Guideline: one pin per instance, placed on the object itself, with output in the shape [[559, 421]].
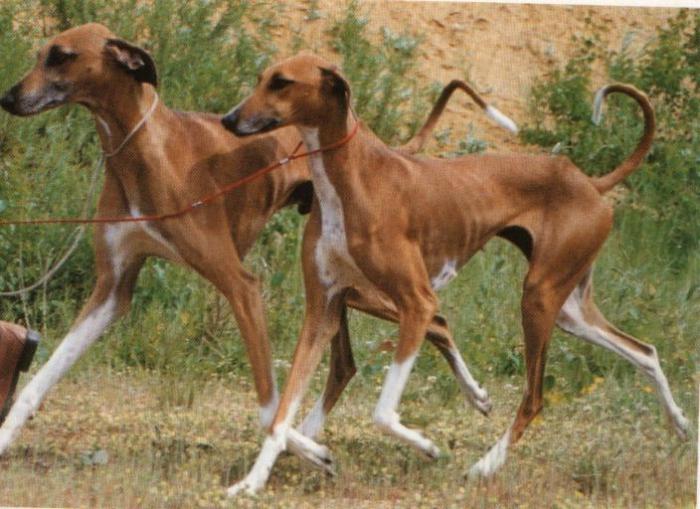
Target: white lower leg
[[313, 423], [268, 411], [493, 459], [680, 422], [67, 353], [306, 448], [476, 395], [571, 319], [385, 415], [274, 444]]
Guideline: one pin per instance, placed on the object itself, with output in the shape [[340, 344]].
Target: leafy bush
[[651, 262], [666, 187]]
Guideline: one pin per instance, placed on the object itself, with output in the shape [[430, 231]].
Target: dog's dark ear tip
[[338, 84], [327, 71], [137, 61]]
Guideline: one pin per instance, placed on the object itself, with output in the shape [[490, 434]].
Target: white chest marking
[[336, 267], [115, 235], [447, 273], [152, 232]]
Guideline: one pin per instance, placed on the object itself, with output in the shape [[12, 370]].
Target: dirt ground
[[500, 48]]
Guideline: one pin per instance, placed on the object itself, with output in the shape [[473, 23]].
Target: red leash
[[199, 203]]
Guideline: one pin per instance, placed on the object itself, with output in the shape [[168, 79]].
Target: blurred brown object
[[17, 348]]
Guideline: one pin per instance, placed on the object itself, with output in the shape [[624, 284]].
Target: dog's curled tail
[[416, 143], [608, 181]]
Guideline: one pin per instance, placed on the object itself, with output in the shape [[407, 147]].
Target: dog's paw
[[316, 454], [681, 425], [240, 488], [482, 402], [431, 450]]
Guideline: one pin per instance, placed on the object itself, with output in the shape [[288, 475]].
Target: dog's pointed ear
[[136, 61], [336, 84]]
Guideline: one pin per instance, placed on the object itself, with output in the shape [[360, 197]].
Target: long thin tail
[[416, 143], [607, 182]]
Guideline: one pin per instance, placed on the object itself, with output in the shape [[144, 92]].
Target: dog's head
[[303, 90], [78, 66]]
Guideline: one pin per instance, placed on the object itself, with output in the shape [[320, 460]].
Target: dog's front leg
[[322, 321], [110, 298]]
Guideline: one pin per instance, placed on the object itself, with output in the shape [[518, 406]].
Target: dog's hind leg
[[580, 317], [557, 265], [542, 299], [321, 322], [475, 394], [110, 298], [342, 365]]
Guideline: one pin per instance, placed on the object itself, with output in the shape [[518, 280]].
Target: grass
[[162, 453], [167, 392]]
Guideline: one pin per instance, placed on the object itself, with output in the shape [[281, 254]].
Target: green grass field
[[167, 393]]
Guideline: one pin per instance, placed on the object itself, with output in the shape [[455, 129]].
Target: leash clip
[[284, 161], [197, 204]]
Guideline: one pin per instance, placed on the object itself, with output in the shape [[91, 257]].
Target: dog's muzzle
[[23, 104], [232, 122], [9, 100]]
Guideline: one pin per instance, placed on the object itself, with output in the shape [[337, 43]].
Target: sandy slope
[[501, 48]]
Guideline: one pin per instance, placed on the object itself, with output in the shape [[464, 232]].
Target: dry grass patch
[[112, 440]]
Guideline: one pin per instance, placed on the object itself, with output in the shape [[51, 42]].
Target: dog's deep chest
[[117, 237], [337, 269]]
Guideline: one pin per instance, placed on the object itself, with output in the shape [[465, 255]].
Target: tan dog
[[159, 161], [399, 227]]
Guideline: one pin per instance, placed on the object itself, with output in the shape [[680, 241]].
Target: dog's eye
[[58, 56], [278, 83]]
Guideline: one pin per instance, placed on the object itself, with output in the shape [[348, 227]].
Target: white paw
[[431, 450], [424, 445], [316, 454], [681, 425], [481, 402], [479, 471], [492, 460], [5, 440], [243, 486]]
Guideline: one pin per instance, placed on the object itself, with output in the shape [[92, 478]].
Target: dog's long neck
[[141, 165], [116, 115], [325, 135]]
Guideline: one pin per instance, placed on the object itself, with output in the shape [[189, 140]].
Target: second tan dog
[[399, 227], [159, 161]]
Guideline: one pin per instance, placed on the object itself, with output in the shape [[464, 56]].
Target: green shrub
[[649, 268]]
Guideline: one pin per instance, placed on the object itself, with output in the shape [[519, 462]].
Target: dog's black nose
[[9, 100], [230, 120]]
